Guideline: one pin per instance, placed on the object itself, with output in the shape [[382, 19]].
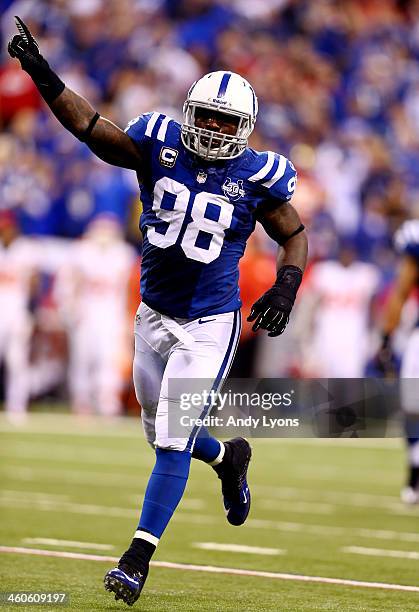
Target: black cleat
[[125, 583], [236, 494]]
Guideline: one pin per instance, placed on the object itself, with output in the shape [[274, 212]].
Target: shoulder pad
[[406, 238], [275, 174], [148, 126]]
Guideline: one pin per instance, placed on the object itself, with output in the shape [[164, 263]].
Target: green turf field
[[329, 508]]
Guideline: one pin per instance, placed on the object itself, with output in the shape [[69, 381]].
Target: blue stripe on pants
[[222, 371]]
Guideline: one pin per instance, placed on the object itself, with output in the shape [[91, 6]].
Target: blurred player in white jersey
[[93, 292], [203, 189], [406, 283], [337, 308], [17, 281]]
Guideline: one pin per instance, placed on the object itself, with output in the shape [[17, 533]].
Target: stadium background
[[338, 86]]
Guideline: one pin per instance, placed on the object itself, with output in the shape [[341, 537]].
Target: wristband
[[289, 279], [86, 134], [49, 84]]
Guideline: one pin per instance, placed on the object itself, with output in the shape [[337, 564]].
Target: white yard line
[[341, 497], [239, 548], [67, 453], [301, 507], [330, 474], [191, 503], [216, 570], [48, 505], [64, 475], [382, 552], [71, 425], [34, 495], [392, 443], [344, 498], [388, 534], [381, 534], [187, 503], [51, 505], [71, 543], [322, 502], [326, 502]]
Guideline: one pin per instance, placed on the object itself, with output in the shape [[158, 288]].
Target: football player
[[407, 243], [92, 290], [202, 190], [337, 290], [18, 284]]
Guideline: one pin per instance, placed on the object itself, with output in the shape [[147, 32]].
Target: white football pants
[[167, 349]]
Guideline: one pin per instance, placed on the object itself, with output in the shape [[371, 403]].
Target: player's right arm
[[75, 113], [105, 139]]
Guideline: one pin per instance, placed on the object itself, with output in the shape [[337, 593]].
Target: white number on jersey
[[292, 184], [176, 216]]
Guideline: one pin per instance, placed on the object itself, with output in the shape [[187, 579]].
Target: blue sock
[[206, 447], [164, 490]]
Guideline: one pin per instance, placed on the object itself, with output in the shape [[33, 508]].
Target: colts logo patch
[[168, 157], [234, 191]]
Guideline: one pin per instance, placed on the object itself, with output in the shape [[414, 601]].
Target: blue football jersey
[[407, 238], [197, 217]]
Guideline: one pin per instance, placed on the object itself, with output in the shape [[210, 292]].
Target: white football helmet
[[225, 92]]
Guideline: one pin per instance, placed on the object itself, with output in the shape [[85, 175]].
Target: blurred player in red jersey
[[17, 281], [337, 303], [93, 289]]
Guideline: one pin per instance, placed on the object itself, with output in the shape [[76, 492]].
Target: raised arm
[[75, 113], [282, 223], [103, 137]]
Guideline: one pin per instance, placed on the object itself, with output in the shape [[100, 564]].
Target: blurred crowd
[[338, 87]]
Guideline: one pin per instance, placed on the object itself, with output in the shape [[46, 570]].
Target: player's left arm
[[282, 223]]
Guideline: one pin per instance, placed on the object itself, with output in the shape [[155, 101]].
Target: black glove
[[272, 310], [385, 361], [26, 49]]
